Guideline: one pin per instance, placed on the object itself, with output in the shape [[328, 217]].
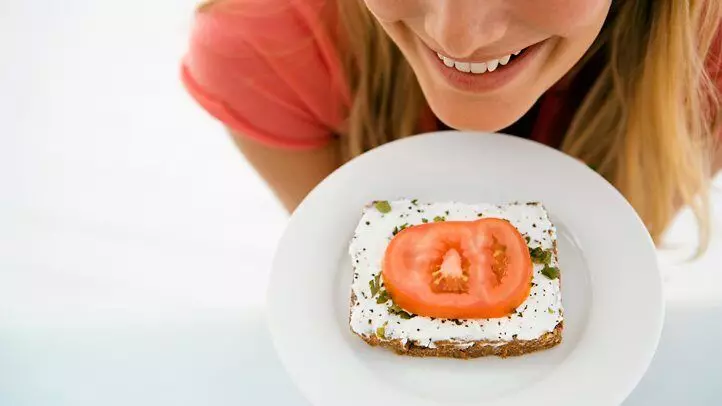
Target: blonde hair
[[646, 124]]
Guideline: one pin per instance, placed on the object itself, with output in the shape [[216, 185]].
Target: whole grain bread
[[468, 349]]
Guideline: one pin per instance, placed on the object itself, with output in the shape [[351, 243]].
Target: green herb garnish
[[383, 206], [383, 297], [550, 311], [381, 331], [540, 256], [415, 202], [375, 284], [550, 272], [424, 220], [439, 218], [395, 309], [400, 228], [528, 239]]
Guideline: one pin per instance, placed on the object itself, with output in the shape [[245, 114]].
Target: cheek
[[561, 17], [389, 11]]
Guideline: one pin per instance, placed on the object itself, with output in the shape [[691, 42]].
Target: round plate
[[611, 291]]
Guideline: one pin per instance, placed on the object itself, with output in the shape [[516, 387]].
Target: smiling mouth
[[478, 68]]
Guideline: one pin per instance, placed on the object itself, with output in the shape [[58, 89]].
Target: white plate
[[611, 283]]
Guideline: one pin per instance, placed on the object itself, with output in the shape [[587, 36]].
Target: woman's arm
[[290, 174]]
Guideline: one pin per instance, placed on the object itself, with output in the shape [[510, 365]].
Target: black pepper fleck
[[368, 223]]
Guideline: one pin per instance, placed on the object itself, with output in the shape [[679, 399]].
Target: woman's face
[[464, 52]]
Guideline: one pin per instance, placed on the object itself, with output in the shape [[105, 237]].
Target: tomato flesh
[[458, 269]]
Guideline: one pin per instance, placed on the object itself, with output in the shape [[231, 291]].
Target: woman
[[628, 86]]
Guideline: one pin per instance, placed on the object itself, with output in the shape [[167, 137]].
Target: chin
[[478, 115]]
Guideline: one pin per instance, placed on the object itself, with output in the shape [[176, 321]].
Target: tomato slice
[[458, 269]]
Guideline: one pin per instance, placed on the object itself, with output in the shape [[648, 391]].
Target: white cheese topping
[[539, 314]]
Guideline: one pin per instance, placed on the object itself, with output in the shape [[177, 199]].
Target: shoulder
[[268, 69]]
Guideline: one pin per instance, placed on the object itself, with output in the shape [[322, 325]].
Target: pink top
[[269, 69]]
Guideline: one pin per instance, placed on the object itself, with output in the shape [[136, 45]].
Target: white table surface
[[135, 243]]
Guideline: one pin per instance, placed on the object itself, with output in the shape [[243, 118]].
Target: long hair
[[647, 124]]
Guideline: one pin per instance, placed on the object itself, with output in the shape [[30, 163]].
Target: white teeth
[[476, 67], [492, 65], [463, 66]]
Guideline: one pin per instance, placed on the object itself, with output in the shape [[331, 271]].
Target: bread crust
[[450, 349]]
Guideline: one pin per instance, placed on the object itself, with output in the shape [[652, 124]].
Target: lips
[[487, 76]]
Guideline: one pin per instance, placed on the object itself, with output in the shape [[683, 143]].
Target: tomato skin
[[459, 269]]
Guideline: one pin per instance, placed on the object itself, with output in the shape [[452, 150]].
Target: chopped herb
[[383, 297], [439, 218], [550, 311], [381, 331], [540, 256], [400, 228], [550, 272], [528, 239], [424, 220], [447, 212], [397, 310], [415, 202], [383, 206], [375, 284]]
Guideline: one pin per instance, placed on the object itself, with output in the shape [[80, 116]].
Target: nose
[[461, 27]]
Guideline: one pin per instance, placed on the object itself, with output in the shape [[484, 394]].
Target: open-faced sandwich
[[456, 280]]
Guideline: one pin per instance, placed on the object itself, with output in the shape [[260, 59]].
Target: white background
[[135, 242]]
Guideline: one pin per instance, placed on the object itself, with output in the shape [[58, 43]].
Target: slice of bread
[[536, 325]]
